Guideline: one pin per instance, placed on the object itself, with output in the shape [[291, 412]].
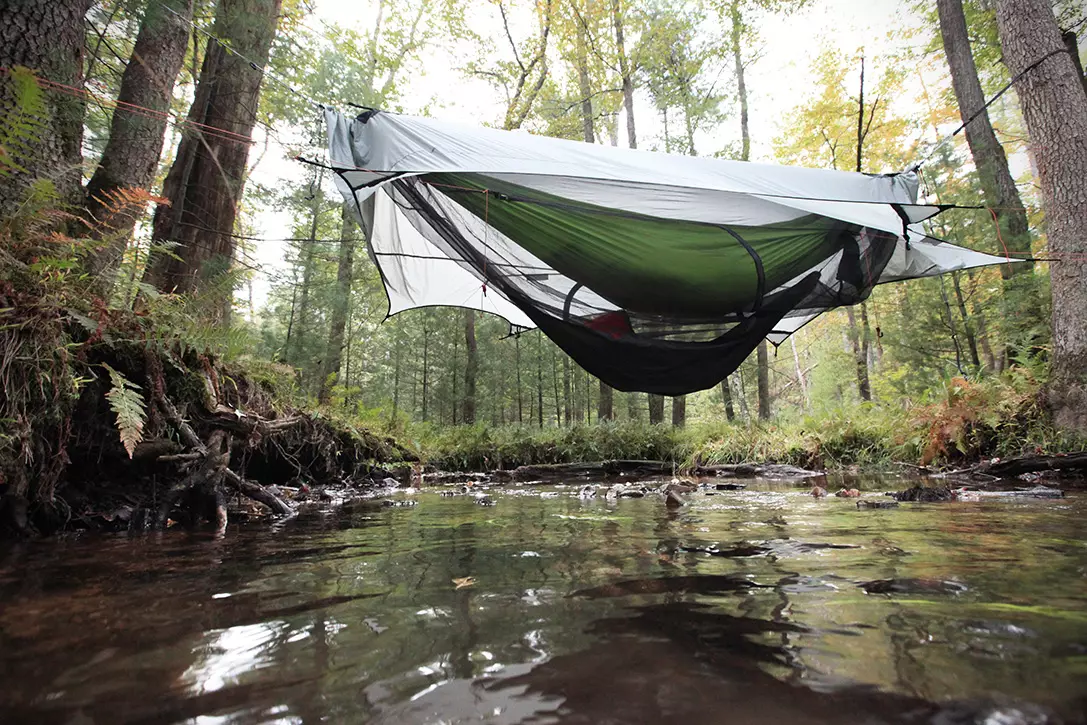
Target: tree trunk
[[426, 365], [539, 380], [517, 365], [864, 388], [605, 403], [679, 411], [762, 358], [567, 401], [1055, 110], [656, 409], [453, 366], [625, 72], [345, 271], [741, 84], [726, 397], [859, 339], [46, 36], [584, 88], [997, 183], [866, 339], [396, 382], [742, 397], [764, 381], [206, 181], [468, 414], [1071, 41], [968, 328], [800, 379], [132, 153], [555, 386], [306, 254]]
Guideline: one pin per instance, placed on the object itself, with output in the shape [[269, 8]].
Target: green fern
[[20, 127], [126, 402]]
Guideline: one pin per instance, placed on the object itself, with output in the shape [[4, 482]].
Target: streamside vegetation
[[191, 326]]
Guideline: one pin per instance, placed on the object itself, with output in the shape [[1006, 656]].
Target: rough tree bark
[[132, 153], [345, 271], [997, 183], [1055, 110], [656, 408], [726, 398], [207, 178], [679, 411], [45, 36]]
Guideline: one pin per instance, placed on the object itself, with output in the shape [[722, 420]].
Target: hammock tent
[[654, 272]]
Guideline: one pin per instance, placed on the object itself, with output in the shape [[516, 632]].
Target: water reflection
[[760, 605]]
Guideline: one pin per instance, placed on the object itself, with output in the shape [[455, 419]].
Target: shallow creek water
[[741, 607]]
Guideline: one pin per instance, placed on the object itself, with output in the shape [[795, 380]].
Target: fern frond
[[127, 404], [23, 124]]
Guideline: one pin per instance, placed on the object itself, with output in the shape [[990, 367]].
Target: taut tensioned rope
[[985, 106], [262, 69]]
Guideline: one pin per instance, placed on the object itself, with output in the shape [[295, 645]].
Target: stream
[[756, 606]]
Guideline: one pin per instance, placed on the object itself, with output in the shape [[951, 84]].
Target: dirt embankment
[[102, 426]]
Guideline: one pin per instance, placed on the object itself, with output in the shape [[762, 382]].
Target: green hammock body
[[646, 264]]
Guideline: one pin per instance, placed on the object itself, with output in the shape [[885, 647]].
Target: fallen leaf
[[466, 581]]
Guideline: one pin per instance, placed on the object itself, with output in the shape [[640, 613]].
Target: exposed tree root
[[207, 447]]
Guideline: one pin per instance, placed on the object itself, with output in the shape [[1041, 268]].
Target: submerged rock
[[913, 586], [626, 490], [928, 494], [869, 504]]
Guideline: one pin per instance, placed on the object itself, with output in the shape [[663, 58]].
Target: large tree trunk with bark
[[656, 408], [679, 411], [47, 37], [345, 271], [1055, 109], [206, 181], [132, 153], [726, 398], [997, 183]]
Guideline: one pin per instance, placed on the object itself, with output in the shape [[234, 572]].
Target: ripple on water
[[761, 603]]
